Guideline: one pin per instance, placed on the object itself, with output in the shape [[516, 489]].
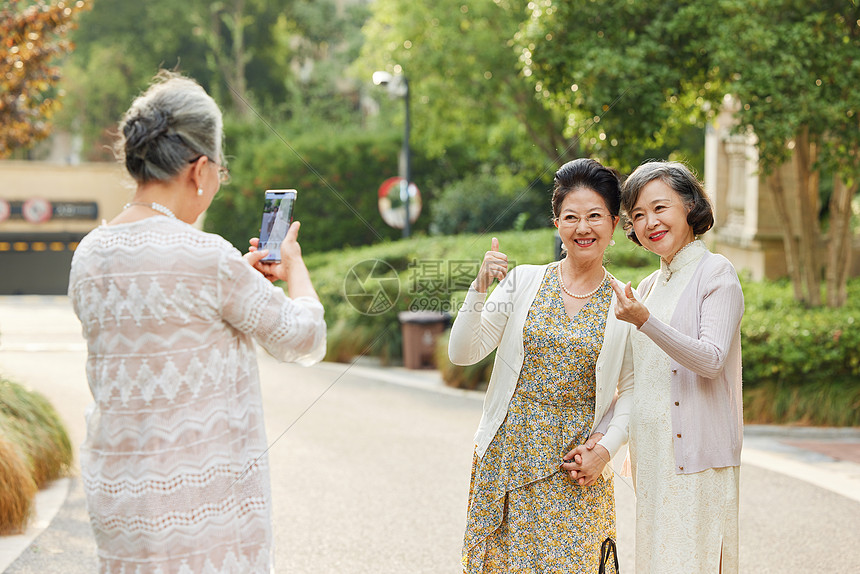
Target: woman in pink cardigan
[[686, 425]]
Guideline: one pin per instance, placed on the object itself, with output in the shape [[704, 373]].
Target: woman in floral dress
[[559, 368]]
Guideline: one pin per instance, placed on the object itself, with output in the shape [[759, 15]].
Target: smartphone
[[277, 216]]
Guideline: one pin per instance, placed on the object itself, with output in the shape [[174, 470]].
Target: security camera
[[381, 78]]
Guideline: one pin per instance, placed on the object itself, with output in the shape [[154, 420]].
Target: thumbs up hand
[[494, 266]]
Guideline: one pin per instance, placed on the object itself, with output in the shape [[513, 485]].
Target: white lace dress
[[173, 464], [682, 520]]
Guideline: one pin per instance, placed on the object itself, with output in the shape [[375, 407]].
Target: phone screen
[[277, 216]]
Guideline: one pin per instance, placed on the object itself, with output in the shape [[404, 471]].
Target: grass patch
[[816, 404]]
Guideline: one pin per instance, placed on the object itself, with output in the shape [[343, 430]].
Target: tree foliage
[[32, 35], [465, 78], [628, 77], [269, 59], [793, 67], [632, 73]]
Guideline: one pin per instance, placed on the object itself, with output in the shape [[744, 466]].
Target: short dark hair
[[589, 174], [700, 214]]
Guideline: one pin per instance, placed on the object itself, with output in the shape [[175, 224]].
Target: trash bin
[[421, 330]]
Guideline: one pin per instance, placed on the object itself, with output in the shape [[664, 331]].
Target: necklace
[[154, 206], [587, 295]]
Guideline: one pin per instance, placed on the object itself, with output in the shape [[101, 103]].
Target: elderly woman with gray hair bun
[[174, 462], [686, 425]]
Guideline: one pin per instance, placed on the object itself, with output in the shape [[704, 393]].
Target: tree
[[252, 56], [793, 66], [465, 78], [641, 70], [628, 77], [116, 57], [31, 37]]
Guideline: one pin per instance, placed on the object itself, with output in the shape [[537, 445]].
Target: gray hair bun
[[170, 124]]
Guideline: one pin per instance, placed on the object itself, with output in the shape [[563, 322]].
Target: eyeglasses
[[223, 172], [592, 219]]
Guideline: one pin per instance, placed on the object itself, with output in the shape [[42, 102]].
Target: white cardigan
[[481, 326]]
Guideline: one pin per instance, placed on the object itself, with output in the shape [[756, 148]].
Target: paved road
[[371, 475]]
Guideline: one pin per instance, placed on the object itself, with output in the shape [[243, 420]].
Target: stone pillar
[[736, 152]]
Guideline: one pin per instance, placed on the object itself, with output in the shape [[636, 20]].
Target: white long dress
[[682, 520], [173, 464]]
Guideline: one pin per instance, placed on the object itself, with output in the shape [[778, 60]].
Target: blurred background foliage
[[293, 79], [32, 36], [502, 93]]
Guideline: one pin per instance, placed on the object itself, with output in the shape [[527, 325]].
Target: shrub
[[336, 175], [432, 273], [480, 203], [17, 489], [337, 172], [33, 424], [786, 344], [34, 449], [800, 365], [818, 403]]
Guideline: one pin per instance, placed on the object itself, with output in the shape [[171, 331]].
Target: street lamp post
[[407, 168], [399, 86]]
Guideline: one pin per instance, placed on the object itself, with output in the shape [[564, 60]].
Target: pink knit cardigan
[[703, 341]]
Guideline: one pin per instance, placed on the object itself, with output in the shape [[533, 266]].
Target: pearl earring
[[199, 191], [611, 242]]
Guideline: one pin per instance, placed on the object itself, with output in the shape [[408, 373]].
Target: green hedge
[[787, 344], [800, 365], [337, 174], [432, 273], [493, 203], [337, 178]]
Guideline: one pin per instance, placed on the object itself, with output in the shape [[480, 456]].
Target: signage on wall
[[39, 210]]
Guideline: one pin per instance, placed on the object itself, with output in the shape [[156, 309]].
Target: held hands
[[585, 463], [627, 308], [494, 266], [291, 255]]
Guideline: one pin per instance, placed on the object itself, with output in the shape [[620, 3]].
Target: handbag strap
[[606, 548]]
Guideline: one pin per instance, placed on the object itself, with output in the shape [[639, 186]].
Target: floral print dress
[[525, 514]]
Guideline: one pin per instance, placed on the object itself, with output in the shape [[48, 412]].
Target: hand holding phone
[[277, 216]]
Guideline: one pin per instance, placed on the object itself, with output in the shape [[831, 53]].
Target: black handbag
[[607, 548]]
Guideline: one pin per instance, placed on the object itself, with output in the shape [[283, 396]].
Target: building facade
[[748, 228], [45, 210]]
